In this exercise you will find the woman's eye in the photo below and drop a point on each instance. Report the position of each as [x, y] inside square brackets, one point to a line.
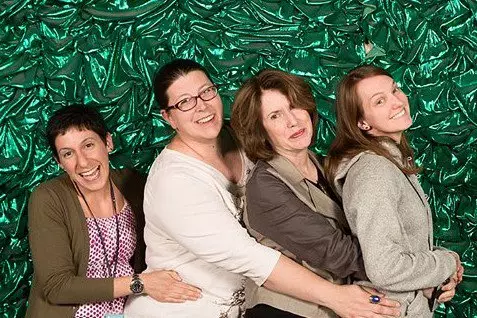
[380, 101]
[274, 116]
[183, 102]
[89, 145]
[66, 154]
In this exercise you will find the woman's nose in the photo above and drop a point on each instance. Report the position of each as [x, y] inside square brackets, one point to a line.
[200, 104]
[397, 101]
[291, 119]
[82, 160]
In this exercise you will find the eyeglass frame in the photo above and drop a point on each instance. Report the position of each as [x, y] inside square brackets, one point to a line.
[176, 105]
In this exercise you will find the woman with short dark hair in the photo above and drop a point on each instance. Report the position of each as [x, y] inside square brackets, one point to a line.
[85, 228]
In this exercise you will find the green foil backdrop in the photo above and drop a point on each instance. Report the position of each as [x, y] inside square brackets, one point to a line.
[104, 53]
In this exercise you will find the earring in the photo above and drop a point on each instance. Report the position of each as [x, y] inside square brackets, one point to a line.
[365, 127]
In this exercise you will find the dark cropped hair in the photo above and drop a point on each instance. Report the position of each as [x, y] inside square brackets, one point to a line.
[246, 118]
[75, 116]
[169, 73]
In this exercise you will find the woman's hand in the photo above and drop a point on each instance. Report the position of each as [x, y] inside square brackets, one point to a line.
[459, 267]
[167, 286]
[427, 292]
[448, 290]
[460, 272]
[353, 301]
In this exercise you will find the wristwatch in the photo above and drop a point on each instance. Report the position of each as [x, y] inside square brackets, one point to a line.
[136, 286]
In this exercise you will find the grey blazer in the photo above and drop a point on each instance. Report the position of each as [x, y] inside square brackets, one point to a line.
[287, 212]
[389, 213]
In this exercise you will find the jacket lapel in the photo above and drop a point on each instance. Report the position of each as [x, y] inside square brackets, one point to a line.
[305, 190]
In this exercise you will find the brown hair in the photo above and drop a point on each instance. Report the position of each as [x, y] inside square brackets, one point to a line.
[350, 140]
[169, 73]
[246, 117]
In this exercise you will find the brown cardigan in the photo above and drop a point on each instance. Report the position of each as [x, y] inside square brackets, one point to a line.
[59, 244]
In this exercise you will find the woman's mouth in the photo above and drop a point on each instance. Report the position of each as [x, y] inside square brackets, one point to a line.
[299, 133]
[206, 119]
[400, 114]
[91, 174]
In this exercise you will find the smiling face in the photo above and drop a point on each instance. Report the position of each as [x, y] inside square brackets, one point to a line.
[289, 129]
[385, 107]
[83, 155]
[203, 122]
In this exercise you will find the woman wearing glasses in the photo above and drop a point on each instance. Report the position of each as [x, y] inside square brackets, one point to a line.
[193, 205]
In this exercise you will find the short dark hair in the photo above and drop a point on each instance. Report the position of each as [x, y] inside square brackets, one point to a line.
[247, 109]
[169, 73]
[74, 116]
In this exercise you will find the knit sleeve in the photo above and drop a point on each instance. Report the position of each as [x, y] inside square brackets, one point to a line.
[389, 226]
[55, 271]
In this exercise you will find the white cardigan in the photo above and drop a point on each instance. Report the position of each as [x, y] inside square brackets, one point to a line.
[192, 227]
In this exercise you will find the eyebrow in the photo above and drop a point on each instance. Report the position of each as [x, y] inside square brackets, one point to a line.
[82, 142]
[187, 95]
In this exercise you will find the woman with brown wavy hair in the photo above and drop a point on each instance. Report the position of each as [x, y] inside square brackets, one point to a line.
[371, 165]
[290, 205]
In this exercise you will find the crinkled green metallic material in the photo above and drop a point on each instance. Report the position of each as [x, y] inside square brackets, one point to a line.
[104, 53]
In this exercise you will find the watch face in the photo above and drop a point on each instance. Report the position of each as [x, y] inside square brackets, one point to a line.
[137, 287]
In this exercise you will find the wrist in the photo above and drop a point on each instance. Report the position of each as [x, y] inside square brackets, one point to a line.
[136, 285]
[329, 298]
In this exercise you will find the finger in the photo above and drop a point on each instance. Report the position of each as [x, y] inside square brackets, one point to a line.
[168, 299]
[460, 274]
[192, 296]
[172, 295]
[371, 291]
[183, 287]
[383, 310]
[186, 294]
[446, 296]
[450, 285]
[174, 300]
[444, 300]
[175, 275]
[385, 302]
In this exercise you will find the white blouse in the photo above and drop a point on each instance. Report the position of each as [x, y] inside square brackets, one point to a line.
[192, 226]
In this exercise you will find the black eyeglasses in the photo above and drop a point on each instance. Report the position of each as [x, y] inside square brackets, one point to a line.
[188, 103]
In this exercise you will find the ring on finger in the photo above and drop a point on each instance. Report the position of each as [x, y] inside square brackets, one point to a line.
[374, 299]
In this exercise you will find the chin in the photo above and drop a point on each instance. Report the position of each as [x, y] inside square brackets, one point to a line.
[92, 186]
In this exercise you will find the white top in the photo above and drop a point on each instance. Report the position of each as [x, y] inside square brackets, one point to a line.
[192, 226]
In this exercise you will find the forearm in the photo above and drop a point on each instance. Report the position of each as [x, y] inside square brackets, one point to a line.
[78, 290]
[294, 280]
[401, 271]
[121, 286]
